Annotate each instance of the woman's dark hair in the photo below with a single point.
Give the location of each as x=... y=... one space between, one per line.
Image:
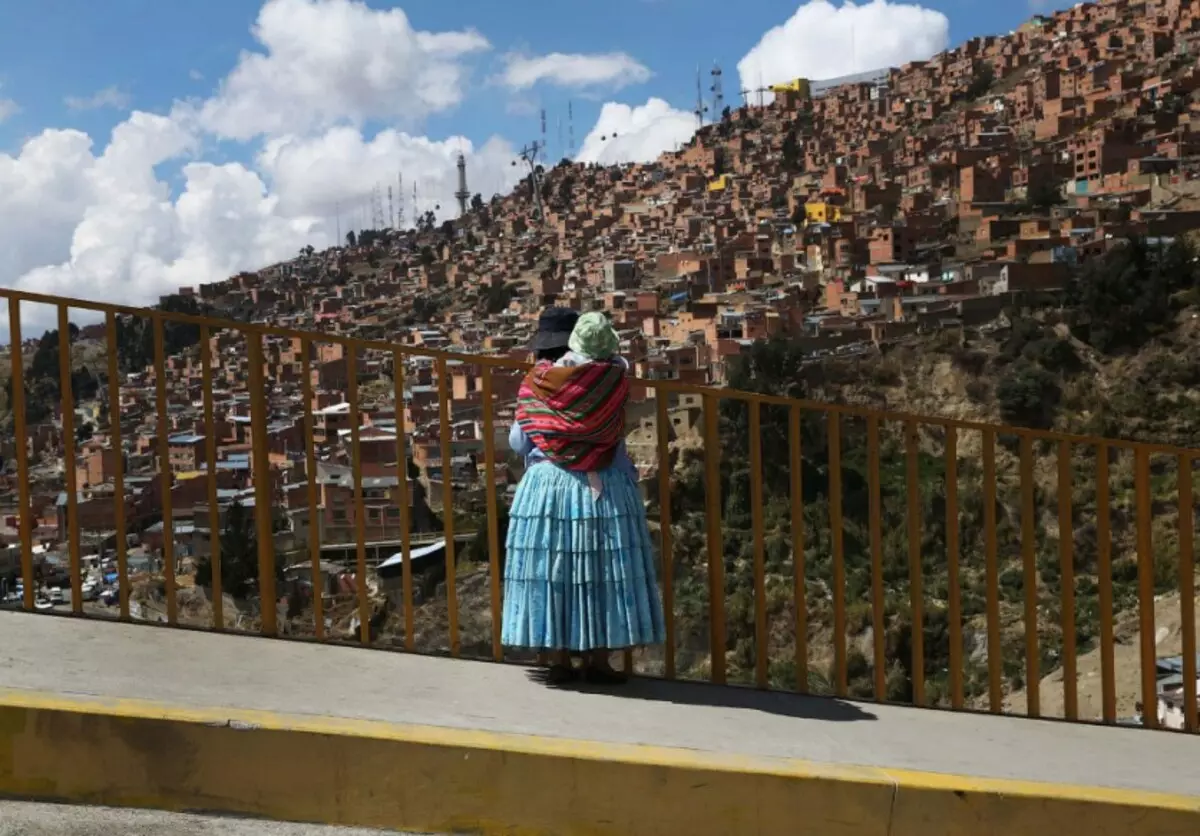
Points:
x=551 y=354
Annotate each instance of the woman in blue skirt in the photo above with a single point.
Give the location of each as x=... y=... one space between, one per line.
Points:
x=579 y=575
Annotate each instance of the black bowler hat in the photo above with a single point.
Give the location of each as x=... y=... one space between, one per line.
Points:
x=554 y=328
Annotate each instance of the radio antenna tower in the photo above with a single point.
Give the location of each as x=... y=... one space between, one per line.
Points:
x=391 y=210
x=529 y=154
x=400 y=201
x=718 y=95
x=463 y=194
x=337 y=211
x=700 y=108
x=543 y=127
x=377 y=208
x=571 y=128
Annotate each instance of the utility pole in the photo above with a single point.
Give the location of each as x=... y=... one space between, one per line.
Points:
x=529 y=154
x=718 y=95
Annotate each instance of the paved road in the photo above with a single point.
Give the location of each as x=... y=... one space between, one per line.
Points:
x=187 y=668
x=24 y=819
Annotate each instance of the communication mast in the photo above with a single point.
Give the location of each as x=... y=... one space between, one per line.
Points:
x=376 y=208
x=700 y=108
x=400 y=201
x=529 y=154
x=463 y=194
x=391 y=210
x=571 y=128
x=718 y=95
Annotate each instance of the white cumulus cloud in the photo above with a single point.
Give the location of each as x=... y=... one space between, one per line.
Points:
x=823 y=40
x=636 y=134
x=320 y=176
x=328 y=61
x=141 y=213
x=105 y=226
x=613 y=70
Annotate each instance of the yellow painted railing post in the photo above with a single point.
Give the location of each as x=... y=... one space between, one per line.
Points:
x=666 y=547
x=164 y=463
x=839 y=557
x=21 y=437
x=799 y=582
x=1029 y=561
x=1145 y=565
x=761 y=647
x=1187 y=591
x=992 y=572
x=210 y=468
x=118 y=455
x=314 y=490
x=360 y=511
x=1108 y=684
x=1066 y=552
x=952 y=579
x=402 y=496
x=67 y=396
x=448 y=505
x=875 y=525
x=716 y=556
x=263 y=505
x=916 y=586
x=493 y=514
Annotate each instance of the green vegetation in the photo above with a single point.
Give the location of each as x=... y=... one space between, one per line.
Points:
x=239 y=554
x=1113 y=361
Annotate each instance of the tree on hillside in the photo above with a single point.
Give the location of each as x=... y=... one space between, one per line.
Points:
x=239 y=555
x=1125 y=298
x=477 y=203
x=981 y=81
x=351 y=241
x=791 y=152
x=1028 y=395
x=1045 y=193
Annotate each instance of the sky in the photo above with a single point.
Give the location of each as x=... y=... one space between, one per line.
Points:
x=149 y=145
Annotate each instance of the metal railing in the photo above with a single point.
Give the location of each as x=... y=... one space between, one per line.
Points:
x=837 y=548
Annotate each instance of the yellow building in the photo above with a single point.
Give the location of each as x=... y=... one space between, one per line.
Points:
x=797 y=86
x=822 y=213
x=720 y=184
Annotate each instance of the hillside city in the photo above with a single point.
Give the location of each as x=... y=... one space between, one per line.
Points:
x=849 y=223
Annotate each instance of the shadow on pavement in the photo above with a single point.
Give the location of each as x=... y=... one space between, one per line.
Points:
x=719 y=696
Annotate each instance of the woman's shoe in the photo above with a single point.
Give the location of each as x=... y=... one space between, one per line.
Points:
x=604 y=676
x=559 y=674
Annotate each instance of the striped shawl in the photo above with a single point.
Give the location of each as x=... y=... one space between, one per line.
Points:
x=575 y=414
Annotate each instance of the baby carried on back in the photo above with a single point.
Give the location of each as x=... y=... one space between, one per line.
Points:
x=574 y=410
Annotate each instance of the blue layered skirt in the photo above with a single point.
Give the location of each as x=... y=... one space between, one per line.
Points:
x=579 y=571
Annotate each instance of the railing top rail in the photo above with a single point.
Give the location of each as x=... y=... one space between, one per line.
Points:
x=668 y=386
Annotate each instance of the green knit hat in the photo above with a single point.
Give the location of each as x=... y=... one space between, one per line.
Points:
x=594 y=337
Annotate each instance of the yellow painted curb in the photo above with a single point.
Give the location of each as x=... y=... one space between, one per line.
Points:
x=309 y=768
